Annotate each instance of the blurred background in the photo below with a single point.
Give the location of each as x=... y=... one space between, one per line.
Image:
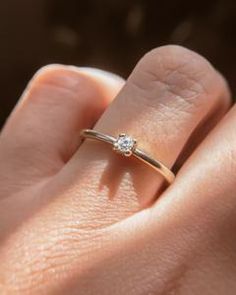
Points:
x=109 y=34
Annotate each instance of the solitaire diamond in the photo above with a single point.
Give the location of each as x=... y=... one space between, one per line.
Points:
x=124 y=145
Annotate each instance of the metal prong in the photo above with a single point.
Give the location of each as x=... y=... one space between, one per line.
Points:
x=115 y=146
x=122 y=135
x=128 y=153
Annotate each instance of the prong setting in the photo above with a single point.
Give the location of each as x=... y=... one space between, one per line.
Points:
x=124 y=145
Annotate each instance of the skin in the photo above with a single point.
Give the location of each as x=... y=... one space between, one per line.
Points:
x=77 y=218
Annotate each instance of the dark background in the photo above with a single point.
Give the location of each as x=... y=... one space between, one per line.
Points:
x=110 y=34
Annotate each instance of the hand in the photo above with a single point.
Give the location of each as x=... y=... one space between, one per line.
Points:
x=76 y=218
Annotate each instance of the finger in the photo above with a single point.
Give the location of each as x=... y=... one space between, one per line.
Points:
x=187 y=240
x=212 y=171
x=165 y=100
x=43 y=131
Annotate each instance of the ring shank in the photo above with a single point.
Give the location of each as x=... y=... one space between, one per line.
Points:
x=157 y=165
x=92 y=134
x=141 y=155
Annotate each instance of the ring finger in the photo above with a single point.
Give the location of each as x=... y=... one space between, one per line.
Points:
x=172 y=98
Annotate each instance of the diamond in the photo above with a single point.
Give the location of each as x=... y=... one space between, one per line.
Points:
x=124 y=145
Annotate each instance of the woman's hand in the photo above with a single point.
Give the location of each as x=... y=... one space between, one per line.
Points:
x=76 y=218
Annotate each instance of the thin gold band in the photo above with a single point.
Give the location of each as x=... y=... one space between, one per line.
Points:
x=129 y=148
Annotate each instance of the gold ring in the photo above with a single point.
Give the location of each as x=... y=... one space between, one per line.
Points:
x=127 y=146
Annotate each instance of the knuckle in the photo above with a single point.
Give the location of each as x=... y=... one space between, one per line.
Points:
x=170 y=58
x=59 y=78
x=55 y=82
x=49 y=77
x=174 y=71
x=48 y=71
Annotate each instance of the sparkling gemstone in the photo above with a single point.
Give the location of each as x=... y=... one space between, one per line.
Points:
x=124 y=144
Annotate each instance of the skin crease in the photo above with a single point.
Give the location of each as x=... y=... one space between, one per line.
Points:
x=75 y=218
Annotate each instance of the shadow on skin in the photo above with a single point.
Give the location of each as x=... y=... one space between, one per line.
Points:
x=116 y=171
